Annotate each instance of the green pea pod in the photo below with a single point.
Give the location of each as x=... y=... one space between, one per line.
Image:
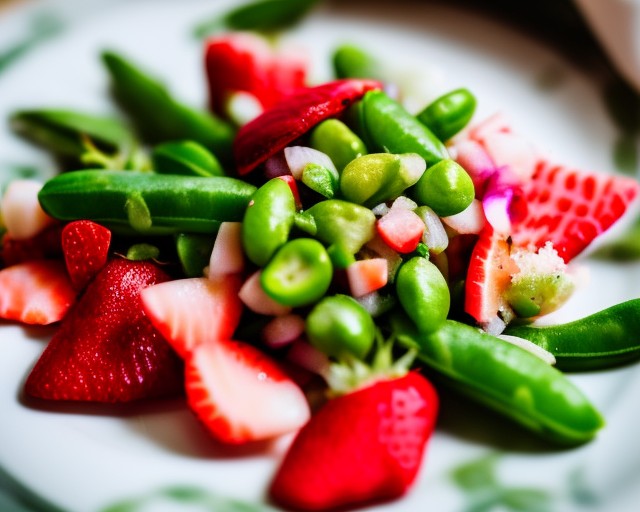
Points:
x=444 y=187
x=194 y=252
x=185 y=157
x=299 y=273
x=342 y=222
x=336 y=139
x=506 y=378
x=143 y=202
x=350 y=61
x=268 y=221
x=157 y=116
x=389 y=127
x=604 y=339
x=449 y=114
x=340 y=327
x=373 y=179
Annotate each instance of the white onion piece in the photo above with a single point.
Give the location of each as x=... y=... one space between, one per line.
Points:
x=434 y=236
x=227 y=256
x=22 y=215
x=298 y=157
x=469 y=221
x=531 y=347
x=283 y=330
x=404 y=203
x=308 y=357
x=380 y=209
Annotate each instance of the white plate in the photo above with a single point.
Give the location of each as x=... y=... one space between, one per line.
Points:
x=88 y=458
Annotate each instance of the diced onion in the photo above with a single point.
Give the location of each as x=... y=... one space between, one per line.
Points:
x=298 y=157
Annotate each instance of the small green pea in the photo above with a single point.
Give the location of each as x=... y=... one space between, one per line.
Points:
x=336 y=139
x=299 y=273
x=449 y=114
x=340 y=327
x=444 y=187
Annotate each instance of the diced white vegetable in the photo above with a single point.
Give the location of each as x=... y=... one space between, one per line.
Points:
x=435 y=236
x=404 y=203
x=256 y=299
x=380 y=209
x=227 y=256
x=22 y=215
x=469 y=221
x=298 y=157
x=283 y=330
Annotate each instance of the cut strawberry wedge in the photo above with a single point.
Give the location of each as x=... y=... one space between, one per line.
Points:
x=45 y=245
x=85 y=246
x=106 y=349
x=241 y=395
x=270 y=132
x=244 y=62
x=35 y=292
x=571 y=208
x=195 y=311
x=401 y=230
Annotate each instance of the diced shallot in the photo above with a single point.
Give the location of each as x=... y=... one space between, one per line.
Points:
x=298 y=157
x=22 y=215
x=227 y=256
x=434 y=236
x=469 y=221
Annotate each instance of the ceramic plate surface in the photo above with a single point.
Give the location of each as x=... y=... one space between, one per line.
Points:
x=156 y=457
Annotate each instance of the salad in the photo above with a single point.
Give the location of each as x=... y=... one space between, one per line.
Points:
x=308 y=258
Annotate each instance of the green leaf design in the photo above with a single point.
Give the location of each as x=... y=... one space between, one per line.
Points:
x=260 y=16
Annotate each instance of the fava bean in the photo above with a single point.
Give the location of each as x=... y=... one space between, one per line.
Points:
x=299 y=273
x=268 y=221
x=607 y=338
x=185 y=157
x=320 y=179
x=506 y=378
x=144 y=202
x=449 y=114
x=445 y=187
x=335 y=139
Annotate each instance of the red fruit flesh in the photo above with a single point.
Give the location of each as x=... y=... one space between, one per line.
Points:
x=270 y=132
x=85 y=246
x=362 y=447
x=106 y=349
x=401 y=230
x=45 y=245
x=570 y=208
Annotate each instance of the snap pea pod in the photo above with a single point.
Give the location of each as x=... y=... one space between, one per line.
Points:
x=449 y=113
x=147 y=203
x=506 y=378
x=185 y=157
x=607 y=338
x=157 y=116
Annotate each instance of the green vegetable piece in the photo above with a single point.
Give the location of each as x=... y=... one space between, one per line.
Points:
x=423 y=293
x=299 y=273
x=186 y=157
x=340 y=327
x=261 y=15
x=449 y=114
x=148 y=203
x=373 y=179
x=389 y=127
x=157 y=116
x=444 y=187
x=539 y=294
x=506 y=378
x=350 y=61
x=342 y=222
x=334 y=138
x=141 y=252
x=602 y=340
x=340 y=256
x=321 y=179
x=268 y=221
x=194 y=252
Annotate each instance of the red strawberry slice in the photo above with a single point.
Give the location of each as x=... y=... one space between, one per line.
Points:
x=85 y=246
x=106 y=349
x=35 y=292
x=401 y=230
x=361 y=447
x=570 y=208
x=243 y=62
x=270 y=132
x=240 y=395
x=190 y=312
x=488 y=275
x=44 y=245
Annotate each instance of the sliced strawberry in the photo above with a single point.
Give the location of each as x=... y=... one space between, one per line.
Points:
x=362 y=447
x=35 y=292
x=488 y=276
x=244 y=62
x=85 y=245
x=366 y=276
x=270 y=132
x=45 y=245
x=106 y=349
x=195 y=311
x=401 y=230
x=241 y=395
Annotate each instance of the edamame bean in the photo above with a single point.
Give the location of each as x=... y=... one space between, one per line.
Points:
x=299 y=273
x=350 y=61
x=449 y=114
x=444 y=187
x=144 y=202
x=335 y=139
x=391 y=128
x=185 y=157
x=340 y=327
x=506 y=378
x=268 y=221
x=604 y=339
x=423 y=293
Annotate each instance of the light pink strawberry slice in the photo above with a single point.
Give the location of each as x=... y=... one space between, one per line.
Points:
x=240 y=395
x=35 y=292
x=270 y=132
x=195 y=311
